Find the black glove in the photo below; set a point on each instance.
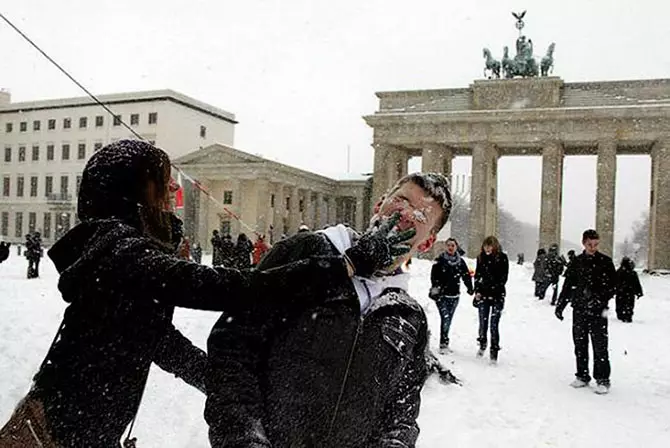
(379, 247)
(559, 313)
(177, 234)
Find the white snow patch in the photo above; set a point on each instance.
(523, 402)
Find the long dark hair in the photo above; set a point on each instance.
(493, 242)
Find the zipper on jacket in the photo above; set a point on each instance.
(359, 328)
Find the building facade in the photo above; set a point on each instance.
(257, 196)
(45, 145)
(536, 116)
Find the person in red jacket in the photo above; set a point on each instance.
(260, 248)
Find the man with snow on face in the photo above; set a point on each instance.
(338, 370)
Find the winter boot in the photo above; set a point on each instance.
(482, 349)
(578, 383)
(602, 388)
(494, 357)
(444, 348)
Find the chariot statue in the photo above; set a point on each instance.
(524, 63)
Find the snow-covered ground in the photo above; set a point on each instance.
(525, 401)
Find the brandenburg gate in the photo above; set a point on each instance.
(531, 113)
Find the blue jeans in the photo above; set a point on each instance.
(447, 307)
(489, 310)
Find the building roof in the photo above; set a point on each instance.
(219, 154)
(121, 98)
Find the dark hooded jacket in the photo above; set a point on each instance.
(121, 287)
(590, 283)
(491, 275)
(446, 276)
(318, 374)
(628, 282)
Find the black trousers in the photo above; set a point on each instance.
(584, 326)
(490, 311)
(33, 267)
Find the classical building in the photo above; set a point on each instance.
(534, 116)
(45, 146)
(254, 195)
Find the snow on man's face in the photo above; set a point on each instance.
(417, 209)
(591, 246)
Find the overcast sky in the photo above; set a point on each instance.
(300, 74)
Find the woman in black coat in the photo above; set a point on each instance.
(242, 252)
(628, 290)
(490, 280)
(121, 280)
(446, 275)
(539, 273)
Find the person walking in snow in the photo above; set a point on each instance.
(341, 369)
(571, 258)
(446, 275)
(196, 252)
(242, 252)
(227, 248)
(121, 280)
(628, 290)
(540, 273)
(589, 285)
(490, 280)
(260, 249)
(217, 251)
(33, 253)
(555, 265)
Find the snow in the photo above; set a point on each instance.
(524, 401)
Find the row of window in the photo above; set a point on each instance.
(63, 193)
(83, 122)
(62, 221)
(50, 150)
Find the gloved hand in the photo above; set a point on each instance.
(379, 247)
(477, 300)
(177, 234)
(559, 313)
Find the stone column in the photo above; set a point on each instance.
(263, 208)
(204, 232)
(437, 158)
(552, 194)
(484, 196)
(294, 210)
(332, 210)
(310, 210)
(606, 174)
(278, 212)
(380, 175)
(659, 214)
(396, 166)
(235, 207)
(360, 224)
(321, 214)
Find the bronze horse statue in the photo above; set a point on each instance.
(492, 65)
(547, 63)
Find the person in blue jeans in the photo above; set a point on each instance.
(490, 280)
(446, 275)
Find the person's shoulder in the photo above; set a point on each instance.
(604, 258)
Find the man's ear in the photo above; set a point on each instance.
(426, 245)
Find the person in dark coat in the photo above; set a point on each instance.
(490, 280)
(196, 252)
(343, 369)
(628, 290)
(540, 273)
(555, 265)
(4, 251)
(217, 255)
(446, 275)
(122, 280)
(228, 251)
(242, 252)
(571, 258)
(589, 285)
(33, 253)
